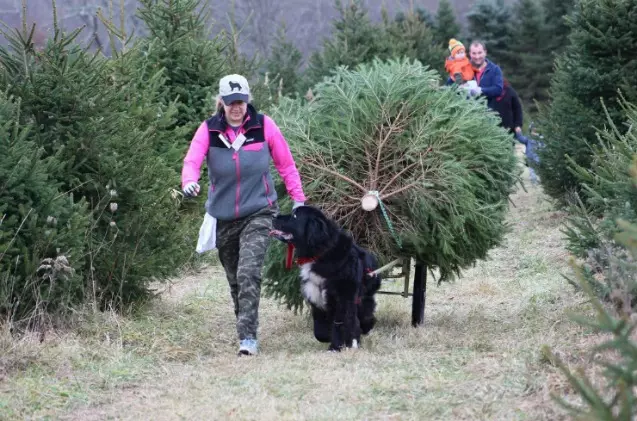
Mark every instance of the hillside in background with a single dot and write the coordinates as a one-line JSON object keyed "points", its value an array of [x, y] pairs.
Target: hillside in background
{"points": [[308, 22]]}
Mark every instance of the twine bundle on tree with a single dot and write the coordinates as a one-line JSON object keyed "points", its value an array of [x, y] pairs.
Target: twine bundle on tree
{"points": [[410, 168]]}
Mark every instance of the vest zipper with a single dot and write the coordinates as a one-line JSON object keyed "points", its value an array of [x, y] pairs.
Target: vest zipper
{"points": [[235, 156], [267, 190]]}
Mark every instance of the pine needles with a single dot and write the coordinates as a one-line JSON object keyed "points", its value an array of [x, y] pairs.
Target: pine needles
{"points": [[439, 163]]}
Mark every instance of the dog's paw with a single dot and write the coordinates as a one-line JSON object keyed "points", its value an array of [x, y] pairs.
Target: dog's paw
{"points": [[334, 348], [368, 325]]}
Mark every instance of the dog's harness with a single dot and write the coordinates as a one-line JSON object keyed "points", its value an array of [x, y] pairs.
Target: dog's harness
{"points": [[289, 259]]}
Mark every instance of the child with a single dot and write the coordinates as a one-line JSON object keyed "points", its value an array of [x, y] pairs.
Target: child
{"points": [[457, 64], [532, 144]]}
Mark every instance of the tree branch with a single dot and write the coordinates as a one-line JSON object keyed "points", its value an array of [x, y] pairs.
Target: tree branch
{"points": [[382, 142], [394, 178], [400, 190], [336, 174]]}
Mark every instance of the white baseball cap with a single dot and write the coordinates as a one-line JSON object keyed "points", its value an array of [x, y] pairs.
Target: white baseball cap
{"points": [[234, 88]]}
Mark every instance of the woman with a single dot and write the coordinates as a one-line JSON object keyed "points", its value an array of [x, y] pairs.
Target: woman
{"points": [[238, 143]]}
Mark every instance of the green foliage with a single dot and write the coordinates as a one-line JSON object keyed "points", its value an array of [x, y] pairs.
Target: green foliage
{"points": [[422, 15], [37, 222], [598, 61], [283, 65], [446, 26], [556, 25], [95, 127], [443, 167], [531, 75], [412, 37], [609, 192], [616, 356], [490, 21], [354, 40], [179, 45]]}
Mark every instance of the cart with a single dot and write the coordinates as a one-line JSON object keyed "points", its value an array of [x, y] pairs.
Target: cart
{"points": [[419, 291]]}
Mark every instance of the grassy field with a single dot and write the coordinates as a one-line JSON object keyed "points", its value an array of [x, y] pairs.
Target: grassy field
{"points": [[477, 357]]}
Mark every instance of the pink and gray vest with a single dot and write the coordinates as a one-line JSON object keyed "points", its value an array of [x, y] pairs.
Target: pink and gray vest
{"points": [[240, 181]]}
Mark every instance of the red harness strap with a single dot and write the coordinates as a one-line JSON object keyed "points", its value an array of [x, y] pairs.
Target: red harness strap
{"points": [[303, 260], [289, 258]]}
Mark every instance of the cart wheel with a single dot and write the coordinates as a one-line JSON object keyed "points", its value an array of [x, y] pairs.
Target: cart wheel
{"points": [[419, 294]]}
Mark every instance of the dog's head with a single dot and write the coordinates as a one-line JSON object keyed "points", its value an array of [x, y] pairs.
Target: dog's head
{"points": [[307, 228]]}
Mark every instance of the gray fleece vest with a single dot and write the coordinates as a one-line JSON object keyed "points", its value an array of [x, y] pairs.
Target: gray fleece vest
{"points": [[240, 181]]}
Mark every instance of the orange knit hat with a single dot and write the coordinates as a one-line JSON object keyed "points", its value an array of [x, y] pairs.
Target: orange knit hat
{"points": [[455, 46]]}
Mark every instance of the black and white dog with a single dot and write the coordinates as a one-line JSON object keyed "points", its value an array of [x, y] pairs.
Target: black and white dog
{"points": [[336, 276]]}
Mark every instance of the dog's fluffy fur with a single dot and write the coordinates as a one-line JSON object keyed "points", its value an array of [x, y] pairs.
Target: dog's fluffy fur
{"points": [[335, 276]]}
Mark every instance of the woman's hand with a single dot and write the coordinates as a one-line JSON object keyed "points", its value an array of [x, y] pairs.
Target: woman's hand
{"points": [[191, 189]]}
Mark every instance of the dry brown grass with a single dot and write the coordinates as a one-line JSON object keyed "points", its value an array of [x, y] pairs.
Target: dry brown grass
{"points": [[477, 357]]}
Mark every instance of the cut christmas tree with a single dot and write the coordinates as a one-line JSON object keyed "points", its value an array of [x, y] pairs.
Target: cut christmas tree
{"points": [[411, 169]]}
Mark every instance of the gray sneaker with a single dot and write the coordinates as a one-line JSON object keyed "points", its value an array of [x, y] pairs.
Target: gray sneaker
{"points": [[248, 347]]}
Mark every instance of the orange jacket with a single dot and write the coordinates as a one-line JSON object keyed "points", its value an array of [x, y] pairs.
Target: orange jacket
{"points": [[462, 66]]}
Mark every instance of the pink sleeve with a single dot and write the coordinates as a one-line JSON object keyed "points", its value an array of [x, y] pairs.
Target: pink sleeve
{"points": [[195, 156], [283, 160]]}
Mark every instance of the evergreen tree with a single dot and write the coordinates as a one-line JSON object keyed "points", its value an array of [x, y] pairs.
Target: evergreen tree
{"points": [[421, 14], [37, 222], [598, 61], [608, 188], [531, 78], [556, 25], [614, 398], [284, 63], [412, 38], [440, 163], [490, 22], [179, 43], [355, 40], [85, 118], [446, 26]]}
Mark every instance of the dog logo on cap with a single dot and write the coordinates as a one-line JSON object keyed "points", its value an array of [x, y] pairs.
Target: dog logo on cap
{"points": [[233, 85]]}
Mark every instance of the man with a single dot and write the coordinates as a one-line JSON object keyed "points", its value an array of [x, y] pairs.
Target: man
{"points": [[488, 75]]}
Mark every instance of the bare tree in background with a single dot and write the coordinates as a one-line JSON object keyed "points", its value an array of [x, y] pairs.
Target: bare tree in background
{"points": [[308, 21], [10, 12], [263, 16], [9, 7], [85, 12]]}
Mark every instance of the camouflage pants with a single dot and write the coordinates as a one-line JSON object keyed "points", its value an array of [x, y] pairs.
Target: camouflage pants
{"points": [[242, 245]]}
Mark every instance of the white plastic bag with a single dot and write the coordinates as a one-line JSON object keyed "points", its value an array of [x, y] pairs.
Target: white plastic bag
{"points": [[207, 234]]}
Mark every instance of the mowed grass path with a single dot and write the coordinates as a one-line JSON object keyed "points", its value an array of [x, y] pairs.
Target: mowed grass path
{"points": [[477, 357]]}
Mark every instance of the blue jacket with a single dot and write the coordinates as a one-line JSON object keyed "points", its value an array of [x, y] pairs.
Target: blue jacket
{"points": [[491, 83]]}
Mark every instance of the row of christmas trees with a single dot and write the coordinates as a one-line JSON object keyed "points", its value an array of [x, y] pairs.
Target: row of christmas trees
{"points": [[91, 146], [573, 58], [93, 142], [61, 98], [523, 38], [588, 169], [576, 59]]}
